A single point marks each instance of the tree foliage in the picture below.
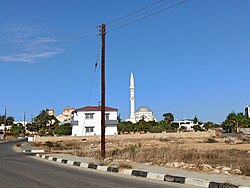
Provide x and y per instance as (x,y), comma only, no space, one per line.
(65,129)
(44,122)
(168,117)
(16,129)
(10,120)
(234,121)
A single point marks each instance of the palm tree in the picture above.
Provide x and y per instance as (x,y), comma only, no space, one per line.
(237,121)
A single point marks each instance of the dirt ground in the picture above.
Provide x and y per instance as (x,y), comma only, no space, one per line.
(193,153)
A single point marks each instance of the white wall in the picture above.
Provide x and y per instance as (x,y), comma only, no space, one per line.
(80,129)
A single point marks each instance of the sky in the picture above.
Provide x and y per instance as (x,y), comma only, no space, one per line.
(190,60)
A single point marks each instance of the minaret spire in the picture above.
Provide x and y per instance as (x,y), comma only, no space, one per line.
(132,96)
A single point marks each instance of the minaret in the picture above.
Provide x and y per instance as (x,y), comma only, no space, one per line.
(132,96)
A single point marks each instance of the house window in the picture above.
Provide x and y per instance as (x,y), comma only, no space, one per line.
(89,116)
(106,116)
(89,129)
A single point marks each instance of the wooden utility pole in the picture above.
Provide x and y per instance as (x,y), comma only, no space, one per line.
(24,119)
(5,122)
(103,95)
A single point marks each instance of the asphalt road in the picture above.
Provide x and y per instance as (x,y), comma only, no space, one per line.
(20,170)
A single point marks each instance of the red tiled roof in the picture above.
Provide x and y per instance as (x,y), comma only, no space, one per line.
(95,108)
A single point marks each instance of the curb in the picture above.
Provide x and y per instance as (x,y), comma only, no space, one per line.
(32,151)
(145,174)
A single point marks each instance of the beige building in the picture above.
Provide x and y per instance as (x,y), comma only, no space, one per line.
(51,112)
(66,115)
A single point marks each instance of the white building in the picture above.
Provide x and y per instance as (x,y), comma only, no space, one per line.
(185,123)
(247,110)
(143,112)
(87,121)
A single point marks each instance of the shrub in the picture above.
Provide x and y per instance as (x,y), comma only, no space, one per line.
(124,165)
(197,128)
(65,129)
(50,133)
(155,129)
(49,144)
(183,128)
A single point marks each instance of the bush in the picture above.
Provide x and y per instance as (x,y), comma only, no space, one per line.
(50,133)
(183,128)
(197,128)
(155,129)
(65,129)
(49,144)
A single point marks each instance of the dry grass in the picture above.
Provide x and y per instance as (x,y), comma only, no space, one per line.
(124,165)
(218,151)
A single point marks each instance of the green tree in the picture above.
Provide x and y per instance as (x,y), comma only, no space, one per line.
(168,117)
(44,122)
(141,125)
(125,127)
(210,125)
(164,125)
(10,120)
(16,129)
(234,121)
(2,119)
(156,129)
(65,129)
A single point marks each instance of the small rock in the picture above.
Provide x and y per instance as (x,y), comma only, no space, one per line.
(206,167)
(169,165)
(225,172)
(177,165)
(235,171)
(226,169)
(216,171)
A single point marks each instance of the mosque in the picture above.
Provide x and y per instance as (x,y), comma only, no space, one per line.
(142,112)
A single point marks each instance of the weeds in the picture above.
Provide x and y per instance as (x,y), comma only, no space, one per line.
(124,165)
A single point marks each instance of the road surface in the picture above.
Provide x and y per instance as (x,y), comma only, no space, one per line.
(20,170)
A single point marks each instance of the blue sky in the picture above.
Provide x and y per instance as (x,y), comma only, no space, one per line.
(191,60)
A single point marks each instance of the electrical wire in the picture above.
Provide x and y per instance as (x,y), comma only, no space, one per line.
(148,11)
(93,79)
(147,16)
(134,12)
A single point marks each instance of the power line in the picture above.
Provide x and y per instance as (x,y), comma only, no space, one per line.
(147,16)
(134,12)
(145,12)
(93,79)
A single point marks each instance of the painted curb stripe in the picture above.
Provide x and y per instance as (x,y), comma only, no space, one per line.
(84,165)
(169,178)
(50,158)
(64,161)
(92,166)
(156,176)
(139,173)
(26,151)
(176,179)
(221,185)
(102,168)
(54,159)
(197,182)
(113,169)
(77,163)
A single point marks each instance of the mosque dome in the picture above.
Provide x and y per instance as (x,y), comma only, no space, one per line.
(144,109)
